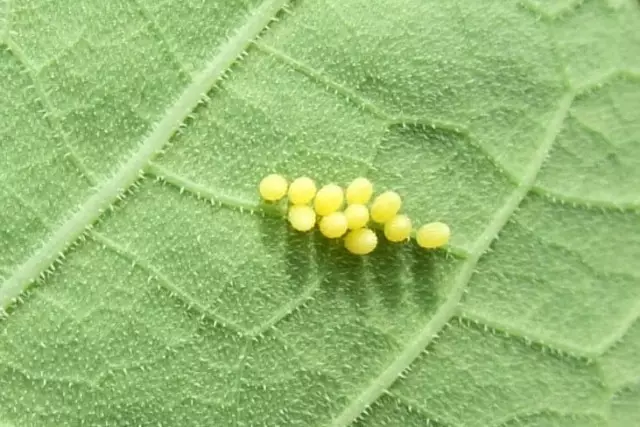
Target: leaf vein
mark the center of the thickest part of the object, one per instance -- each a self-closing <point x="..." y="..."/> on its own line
<point x="50" y="111"/>
<point x="216" y="197"/>
<point x="306" y="70"/>
<point x="585" y="203"/>
<point x="603" y="79"/>
<point x="245" y="206"/>
<point x="550" y="412"/>
<point x="167" y="284"/>
<point x="557" y="12"/>
<point x="286" y="310"/>
<point x="618" y="334"/>
<point x="412" y="405"/>
<point x="156" y="27"/>
<point x="112" y="188"/>
<point x="448" y="309"/>
<point x="529" y="337"/>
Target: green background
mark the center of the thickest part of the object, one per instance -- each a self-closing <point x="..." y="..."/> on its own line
<point x="143" y="286"/>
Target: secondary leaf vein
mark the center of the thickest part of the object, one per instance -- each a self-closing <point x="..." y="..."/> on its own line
<point x="306" y="70"/>
<point x="71" y="229"/>
<point x="586" y="203"/>
<point x="448" y="309"/>
<point x="166" y="283"/>
<point x="528" y="336"/>
<point x="50" y="112"/>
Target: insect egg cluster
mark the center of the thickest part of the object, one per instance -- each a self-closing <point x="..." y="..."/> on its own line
<point x="308" y="206"/>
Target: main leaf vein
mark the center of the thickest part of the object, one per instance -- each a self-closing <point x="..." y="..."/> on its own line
<point x="89" y="212"/>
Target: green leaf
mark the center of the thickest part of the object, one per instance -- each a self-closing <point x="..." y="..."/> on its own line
<point x="145" y="285"/>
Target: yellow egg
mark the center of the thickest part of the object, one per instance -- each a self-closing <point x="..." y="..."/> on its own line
<point x="398" y="228"/>
<point x="357" y="216"/>
<point x="433" y="235"/>
<point x="328" y="199"/>
<point x="302" y="190"/>
<point x="302" y="217"/>
<point x="333" y="225"/>
<point x="385" y="206"/>
<point x="361" y="241"/>
<point x="359" y="191"/>
<point x="273" y="187"/>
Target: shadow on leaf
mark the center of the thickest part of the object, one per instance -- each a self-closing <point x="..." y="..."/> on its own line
<point x="394" y="271"/>
<point x="339" y="270"/>
<point x="389" y="267"/>
<point x="299" y="256"/>
<point x="277" y="236"/>
<point x="423" y="271"/>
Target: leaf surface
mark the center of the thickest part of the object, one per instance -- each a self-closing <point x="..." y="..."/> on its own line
<point x="144" y="285"/>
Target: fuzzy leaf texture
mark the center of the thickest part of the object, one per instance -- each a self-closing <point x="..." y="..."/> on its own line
<point x="143" y="285"/>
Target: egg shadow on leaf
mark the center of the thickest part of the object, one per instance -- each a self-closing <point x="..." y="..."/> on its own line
<point x="340" y="271"/>
<point x="424" y="284"/>
<point x="396" y="271"/>
<point x="299" y="256"/>
<point x="272" y="232"/>
<point x="390" y="271"/>
<point x="278" y="238"/>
